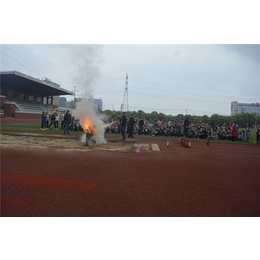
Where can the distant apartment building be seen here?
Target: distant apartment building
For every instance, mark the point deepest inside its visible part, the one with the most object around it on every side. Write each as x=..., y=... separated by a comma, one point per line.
x=240, y=108
x=72, y=104
x=99, y=104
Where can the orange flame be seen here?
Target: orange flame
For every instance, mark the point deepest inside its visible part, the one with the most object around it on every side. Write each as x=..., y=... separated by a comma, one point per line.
x=88, y=127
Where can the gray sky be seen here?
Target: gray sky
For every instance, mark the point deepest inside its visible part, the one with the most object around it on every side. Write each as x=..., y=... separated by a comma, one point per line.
x=168, y=78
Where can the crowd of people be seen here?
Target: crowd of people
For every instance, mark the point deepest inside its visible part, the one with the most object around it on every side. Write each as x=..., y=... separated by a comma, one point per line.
x=179, y=128
x=67, y=122
x=140, y=126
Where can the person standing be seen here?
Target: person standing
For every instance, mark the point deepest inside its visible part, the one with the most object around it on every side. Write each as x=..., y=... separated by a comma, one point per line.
x=141, y=125
x=123, y=125
x=258, y=134
x=43, y=121
x=62, y=120
x=53, y=120
x=56, y=124
x=237, y=127
x=47, y=120
x=186, y=126
x=67, y=122
x=131, y=126
x=248, y=132
x=234, y=132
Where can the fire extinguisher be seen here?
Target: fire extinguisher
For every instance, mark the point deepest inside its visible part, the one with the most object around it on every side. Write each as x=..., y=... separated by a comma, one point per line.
x=168, y=143
x=207, y=142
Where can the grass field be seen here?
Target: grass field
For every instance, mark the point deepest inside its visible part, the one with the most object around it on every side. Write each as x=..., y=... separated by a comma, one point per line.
x=29, y=127
x=35, y=127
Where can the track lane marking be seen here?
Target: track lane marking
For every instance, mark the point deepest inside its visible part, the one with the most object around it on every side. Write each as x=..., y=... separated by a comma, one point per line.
x=7, y=201
x=47, y=182
x=155, y=147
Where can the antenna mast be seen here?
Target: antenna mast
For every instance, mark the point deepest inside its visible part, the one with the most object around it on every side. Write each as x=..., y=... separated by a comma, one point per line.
x=125, y=105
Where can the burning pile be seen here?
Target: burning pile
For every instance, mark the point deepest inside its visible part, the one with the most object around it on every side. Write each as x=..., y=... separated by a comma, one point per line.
x=88, y=126
x=91, y=122
x=89, y=129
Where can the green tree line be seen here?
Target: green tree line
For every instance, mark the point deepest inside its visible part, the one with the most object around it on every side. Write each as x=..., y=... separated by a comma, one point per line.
x=241, y=119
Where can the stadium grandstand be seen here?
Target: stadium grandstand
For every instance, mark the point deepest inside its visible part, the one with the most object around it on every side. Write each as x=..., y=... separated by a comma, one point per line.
x=22, y=96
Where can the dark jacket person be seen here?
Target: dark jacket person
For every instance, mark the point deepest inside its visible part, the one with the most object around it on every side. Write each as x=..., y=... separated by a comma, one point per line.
x=131, y=126
x=186, y=126
x=123, y=125
x=67, y=122
x=43, y=121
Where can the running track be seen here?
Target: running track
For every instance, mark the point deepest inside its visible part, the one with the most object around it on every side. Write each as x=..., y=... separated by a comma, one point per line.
x=218, y=180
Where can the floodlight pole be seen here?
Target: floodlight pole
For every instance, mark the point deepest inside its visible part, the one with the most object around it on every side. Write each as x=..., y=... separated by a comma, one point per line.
x=74, y=91
x=125, y=105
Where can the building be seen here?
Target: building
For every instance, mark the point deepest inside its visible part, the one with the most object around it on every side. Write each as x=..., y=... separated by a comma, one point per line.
x=99, y=104
x=62, y=102
x=240, y=108
x=22, y=96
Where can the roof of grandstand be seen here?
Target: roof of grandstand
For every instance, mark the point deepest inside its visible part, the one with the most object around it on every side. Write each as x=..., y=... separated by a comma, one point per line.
x=29, y=84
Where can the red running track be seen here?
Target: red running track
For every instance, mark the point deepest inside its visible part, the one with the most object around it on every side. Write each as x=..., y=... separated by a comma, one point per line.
x=216, y=181
x=11, y=120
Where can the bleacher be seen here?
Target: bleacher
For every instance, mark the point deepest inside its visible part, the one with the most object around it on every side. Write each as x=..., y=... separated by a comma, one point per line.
x=49, y=108
x=28, y=107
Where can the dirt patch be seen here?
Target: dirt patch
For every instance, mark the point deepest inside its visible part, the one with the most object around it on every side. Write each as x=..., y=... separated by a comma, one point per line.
x=67, y=143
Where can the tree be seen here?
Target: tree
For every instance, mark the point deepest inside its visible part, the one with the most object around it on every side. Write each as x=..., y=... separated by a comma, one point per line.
x=197, y=119
x=190, y=117
x=180, y=117
x=154, y=115
x=169, y=117
x=244, y=119
x=215, y=118
x=107, y=112
x=205, y=119
x=128, y=113
x=161, y=116
x=140, y=114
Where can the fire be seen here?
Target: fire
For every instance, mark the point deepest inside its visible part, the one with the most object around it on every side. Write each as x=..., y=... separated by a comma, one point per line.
x=88, y=127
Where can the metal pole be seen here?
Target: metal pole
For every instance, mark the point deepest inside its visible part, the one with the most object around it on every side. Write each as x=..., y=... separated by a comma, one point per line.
x=125, y=105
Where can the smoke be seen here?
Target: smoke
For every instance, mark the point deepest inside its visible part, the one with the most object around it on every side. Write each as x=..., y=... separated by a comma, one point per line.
x=86, y=108
x=84, y=61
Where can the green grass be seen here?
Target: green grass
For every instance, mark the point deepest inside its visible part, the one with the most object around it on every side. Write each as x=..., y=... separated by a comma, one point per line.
x=31, y=127
x=130, y=149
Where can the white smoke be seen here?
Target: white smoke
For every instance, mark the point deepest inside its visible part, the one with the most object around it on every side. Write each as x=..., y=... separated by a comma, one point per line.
x=86, y=108
x=84, y=64
x=84, y=60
